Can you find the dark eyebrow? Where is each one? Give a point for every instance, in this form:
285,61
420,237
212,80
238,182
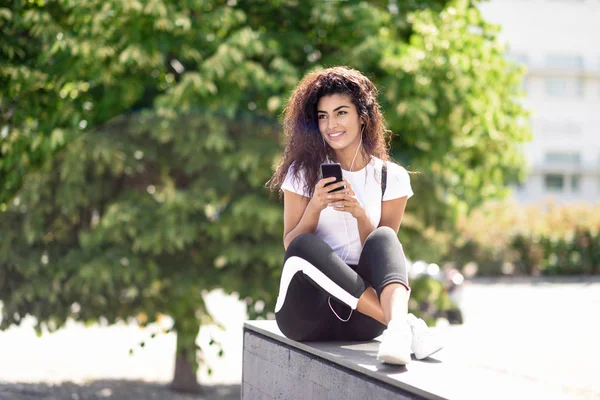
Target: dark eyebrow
321,111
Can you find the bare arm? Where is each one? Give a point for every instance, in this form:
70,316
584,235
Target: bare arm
392,212
301,214
365,227
298,217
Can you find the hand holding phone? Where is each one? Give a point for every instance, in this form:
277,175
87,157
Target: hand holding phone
331,176
329,170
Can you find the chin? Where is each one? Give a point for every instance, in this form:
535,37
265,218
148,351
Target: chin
339,146
336,146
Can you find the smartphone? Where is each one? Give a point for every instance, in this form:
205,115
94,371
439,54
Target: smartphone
332,169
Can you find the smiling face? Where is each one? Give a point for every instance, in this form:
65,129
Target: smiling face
339,122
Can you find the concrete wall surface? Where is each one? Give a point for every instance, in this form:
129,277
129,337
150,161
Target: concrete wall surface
274,370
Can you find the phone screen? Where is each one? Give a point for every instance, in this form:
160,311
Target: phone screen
332,169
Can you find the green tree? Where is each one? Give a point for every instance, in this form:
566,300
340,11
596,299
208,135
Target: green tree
137,137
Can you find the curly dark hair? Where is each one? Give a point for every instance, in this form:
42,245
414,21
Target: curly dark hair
304,145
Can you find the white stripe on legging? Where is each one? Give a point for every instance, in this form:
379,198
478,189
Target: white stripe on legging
294,264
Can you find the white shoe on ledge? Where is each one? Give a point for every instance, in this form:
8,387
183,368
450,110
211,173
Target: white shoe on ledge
425,341
395,346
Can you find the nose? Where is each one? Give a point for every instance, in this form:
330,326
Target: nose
332,123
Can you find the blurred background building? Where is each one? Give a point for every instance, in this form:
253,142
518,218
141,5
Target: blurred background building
557,40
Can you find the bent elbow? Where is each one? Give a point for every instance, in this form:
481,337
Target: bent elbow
286,242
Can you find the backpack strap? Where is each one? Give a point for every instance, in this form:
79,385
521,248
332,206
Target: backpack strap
383,179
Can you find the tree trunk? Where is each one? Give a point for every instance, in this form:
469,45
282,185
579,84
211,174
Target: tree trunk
185,379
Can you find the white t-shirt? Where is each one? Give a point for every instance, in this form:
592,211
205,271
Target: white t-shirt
333,225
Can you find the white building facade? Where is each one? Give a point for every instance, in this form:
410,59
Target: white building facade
559,42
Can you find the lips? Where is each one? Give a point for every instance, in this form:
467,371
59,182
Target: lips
335,135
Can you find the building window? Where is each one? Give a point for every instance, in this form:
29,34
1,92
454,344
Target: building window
554,182
563,158
564,87
576,183
558,128
560,85
567,62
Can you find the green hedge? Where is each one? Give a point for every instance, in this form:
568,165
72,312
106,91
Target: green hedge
505,238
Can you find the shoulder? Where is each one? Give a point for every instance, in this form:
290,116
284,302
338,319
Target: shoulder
396,170
294,172
291,169
376,163
397,181
393,169
294,180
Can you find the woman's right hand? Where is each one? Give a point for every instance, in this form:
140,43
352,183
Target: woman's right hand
319,199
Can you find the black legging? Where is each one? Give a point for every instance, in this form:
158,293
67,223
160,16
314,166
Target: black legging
315,279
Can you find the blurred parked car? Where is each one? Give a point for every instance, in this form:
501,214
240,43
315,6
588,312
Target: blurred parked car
443,300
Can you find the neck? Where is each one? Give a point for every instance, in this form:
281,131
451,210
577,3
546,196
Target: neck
345,157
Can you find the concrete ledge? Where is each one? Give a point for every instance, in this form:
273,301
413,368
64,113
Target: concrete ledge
275,367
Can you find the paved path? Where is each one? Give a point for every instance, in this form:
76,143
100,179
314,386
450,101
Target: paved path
546,333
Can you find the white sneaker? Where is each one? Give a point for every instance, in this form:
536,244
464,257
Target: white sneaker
425,341
395,346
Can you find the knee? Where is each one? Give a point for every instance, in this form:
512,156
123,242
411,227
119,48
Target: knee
301,244
383,235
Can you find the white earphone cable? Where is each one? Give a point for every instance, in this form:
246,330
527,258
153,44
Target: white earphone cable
346,250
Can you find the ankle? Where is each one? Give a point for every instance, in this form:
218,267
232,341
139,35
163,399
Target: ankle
398,322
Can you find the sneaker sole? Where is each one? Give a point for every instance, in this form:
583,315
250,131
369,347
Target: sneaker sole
394,360
420,356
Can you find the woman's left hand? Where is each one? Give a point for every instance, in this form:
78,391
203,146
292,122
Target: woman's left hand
345,200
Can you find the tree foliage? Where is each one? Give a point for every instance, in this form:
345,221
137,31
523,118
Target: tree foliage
137,137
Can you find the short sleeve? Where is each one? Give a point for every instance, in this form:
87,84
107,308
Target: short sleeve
294,184
398,183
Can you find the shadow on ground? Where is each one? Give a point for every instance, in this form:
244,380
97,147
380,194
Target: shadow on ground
111,390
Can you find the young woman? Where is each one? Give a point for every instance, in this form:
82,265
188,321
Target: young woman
344,276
